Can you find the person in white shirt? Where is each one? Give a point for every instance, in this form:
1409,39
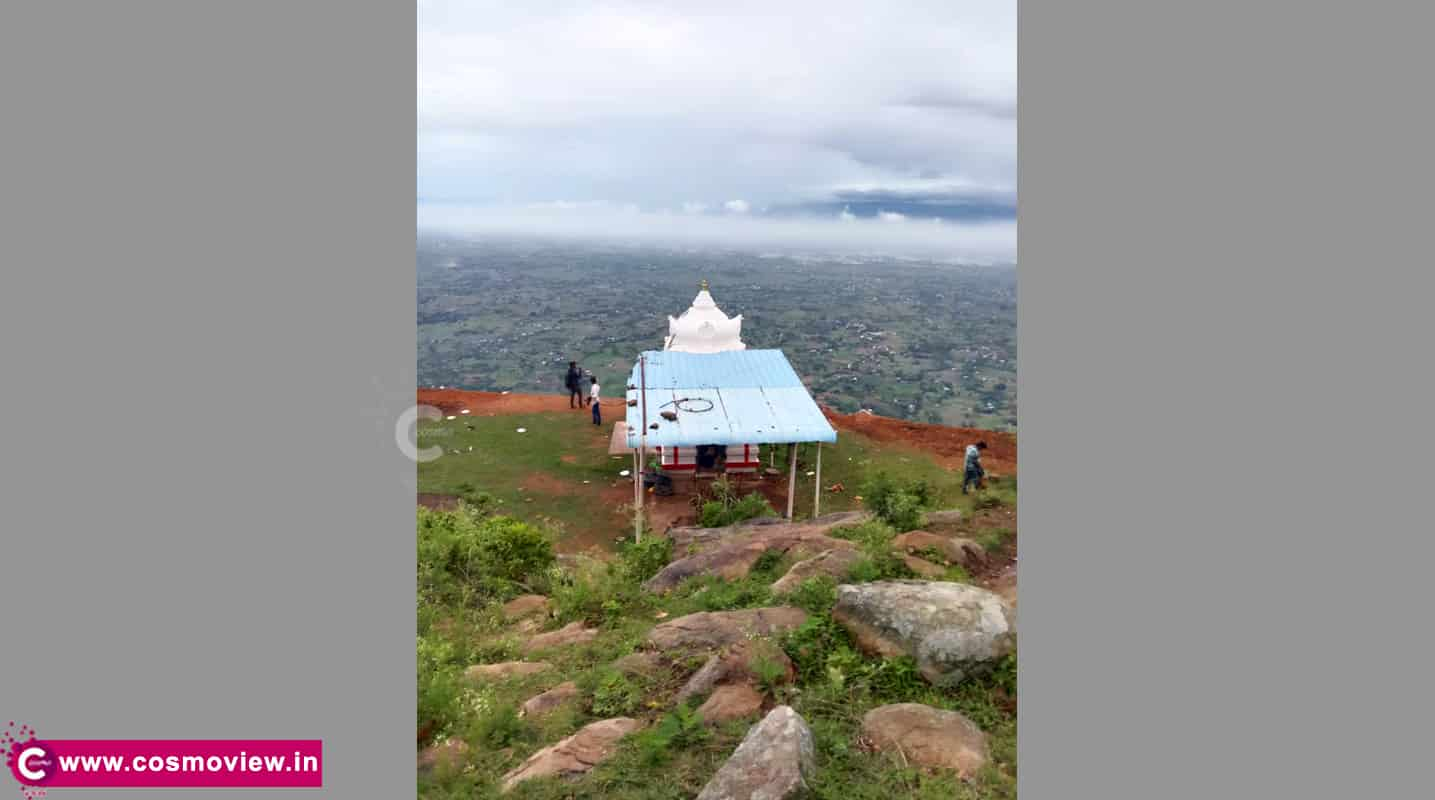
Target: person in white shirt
593,401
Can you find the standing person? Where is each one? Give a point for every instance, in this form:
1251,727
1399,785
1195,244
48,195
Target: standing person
974,471
593,400
575,387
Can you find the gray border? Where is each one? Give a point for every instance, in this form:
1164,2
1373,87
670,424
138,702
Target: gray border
208,318
1222,362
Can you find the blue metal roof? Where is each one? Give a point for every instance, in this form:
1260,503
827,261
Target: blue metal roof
755,395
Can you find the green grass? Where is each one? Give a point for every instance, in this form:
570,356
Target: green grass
670,759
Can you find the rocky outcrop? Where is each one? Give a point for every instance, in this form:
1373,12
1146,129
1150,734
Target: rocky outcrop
928,737
957,551
936,519
773,762
574,756
527,605
923,567
737,663
642,665
832,563
950,629
733,701
549,700
690,540
572,633
733,556
507,669
711,630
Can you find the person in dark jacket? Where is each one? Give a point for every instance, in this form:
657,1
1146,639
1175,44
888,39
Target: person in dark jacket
574,382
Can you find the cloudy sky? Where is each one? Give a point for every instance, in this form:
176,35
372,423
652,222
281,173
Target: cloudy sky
865,123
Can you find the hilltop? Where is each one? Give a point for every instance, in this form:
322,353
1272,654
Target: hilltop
559,659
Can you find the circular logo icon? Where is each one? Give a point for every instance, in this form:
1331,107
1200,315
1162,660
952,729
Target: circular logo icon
34,763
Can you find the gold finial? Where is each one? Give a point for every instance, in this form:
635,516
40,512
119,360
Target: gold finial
703,285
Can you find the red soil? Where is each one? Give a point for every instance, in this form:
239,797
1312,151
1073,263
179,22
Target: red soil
947,444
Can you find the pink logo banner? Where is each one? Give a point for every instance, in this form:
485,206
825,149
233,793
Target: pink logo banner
164,763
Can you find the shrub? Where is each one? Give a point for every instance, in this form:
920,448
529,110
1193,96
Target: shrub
462,553
499,726
599,597
768,671
816,595
724,507
439,686
809,645
899,505
643,559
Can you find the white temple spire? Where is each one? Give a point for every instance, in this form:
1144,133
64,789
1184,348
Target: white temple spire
703,328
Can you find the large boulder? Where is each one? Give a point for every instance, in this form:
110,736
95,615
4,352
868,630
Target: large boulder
549,700
950,629
572,633
958,551
574,756
928,737
935,519
773,762
711,630
834,564
733,556
507,669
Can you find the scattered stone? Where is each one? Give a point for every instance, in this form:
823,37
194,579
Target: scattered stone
957,551
950,629
923,567
928,737
446,755
574,756
572,633
506,669
551,699
773,761
710,630
733,701
527,605
832,563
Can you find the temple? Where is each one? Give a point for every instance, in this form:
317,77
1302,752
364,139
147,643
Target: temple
705,404
703,328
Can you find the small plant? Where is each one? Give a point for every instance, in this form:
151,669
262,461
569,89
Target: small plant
810,644
896,504
770,673
613,694
722,507
766,564
643,559
680,728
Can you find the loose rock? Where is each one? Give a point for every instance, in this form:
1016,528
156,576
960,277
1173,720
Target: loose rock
572,633
527,605
957,551
733,701
950,629
926,736
574,756
733,556
832,563
939,518
551,699
506,669
923,567
710,630
773,762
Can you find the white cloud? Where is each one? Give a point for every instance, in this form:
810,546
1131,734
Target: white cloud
846,215
737,206
668,105
891,216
